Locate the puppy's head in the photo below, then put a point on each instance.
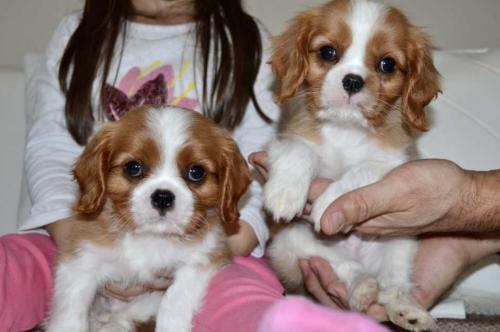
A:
(161, 170)
(356, 61)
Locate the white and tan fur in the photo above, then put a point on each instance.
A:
(119, 235)
(353, 137)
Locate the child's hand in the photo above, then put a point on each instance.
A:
(127, 292)
(243, 242)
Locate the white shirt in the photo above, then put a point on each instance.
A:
(149, 50)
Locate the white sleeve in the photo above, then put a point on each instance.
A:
(50, 150)
(252, 135)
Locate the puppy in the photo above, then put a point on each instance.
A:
(155, 191)
(360, 76)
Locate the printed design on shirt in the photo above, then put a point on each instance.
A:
(154, 85)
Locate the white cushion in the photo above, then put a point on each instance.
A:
(467, 115)
(466, 130)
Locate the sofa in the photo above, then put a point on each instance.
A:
(466, 129)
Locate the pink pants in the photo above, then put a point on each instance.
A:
(237, 300)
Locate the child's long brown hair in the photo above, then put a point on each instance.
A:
(222, 28)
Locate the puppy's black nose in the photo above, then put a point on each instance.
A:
(162, 200)
(353, 83)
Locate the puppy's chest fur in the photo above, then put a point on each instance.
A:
(140, 257)
(341, 149)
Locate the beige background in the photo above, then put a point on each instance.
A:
(26, 25)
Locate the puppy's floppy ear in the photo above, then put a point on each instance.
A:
(91, 171)
(289, 58)
(422, 84)
(234, 179)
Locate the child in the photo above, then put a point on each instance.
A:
(205, 55)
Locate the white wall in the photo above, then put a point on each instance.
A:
(26, 25)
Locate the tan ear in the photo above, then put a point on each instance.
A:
(234, 178)
(423, 80)
(289, 58)
(90, 171)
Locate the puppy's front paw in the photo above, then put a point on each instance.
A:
(173, 325)
(322, 203)
(285, 199)
(364, 293)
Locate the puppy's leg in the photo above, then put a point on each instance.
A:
(395, 281)
(292, 166)
(285, 250)
(183, 298)
(299, 241)
(75, 288)
(140, 310)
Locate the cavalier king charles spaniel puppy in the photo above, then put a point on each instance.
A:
(156, 190)
(358, 77)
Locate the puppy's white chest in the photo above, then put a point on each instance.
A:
(340, 149)
(343, 148)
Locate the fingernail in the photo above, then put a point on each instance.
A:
(337, 221)
(346, 229)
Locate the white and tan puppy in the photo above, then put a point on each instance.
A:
(156, 189)
(360, 76)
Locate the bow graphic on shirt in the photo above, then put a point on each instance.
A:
(116, 103)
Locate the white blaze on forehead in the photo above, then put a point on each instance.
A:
(170, 126)
(363, 20)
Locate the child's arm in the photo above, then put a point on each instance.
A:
(252, 135)
(50, 149)
(243, 242)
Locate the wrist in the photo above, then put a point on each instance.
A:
(482, 208)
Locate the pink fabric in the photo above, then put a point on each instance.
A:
(25, 280)
(237, 297)
(299, 315)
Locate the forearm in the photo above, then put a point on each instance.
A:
(243, 242)
(59, 231)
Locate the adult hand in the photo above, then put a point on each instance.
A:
(417, 197)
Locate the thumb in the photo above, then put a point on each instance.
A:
(357, 206)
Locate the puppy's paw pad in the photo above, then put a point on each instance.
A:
(410, 317)
(364, 294)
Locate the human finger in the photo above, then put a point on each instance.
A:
(358, 206)
(122, 292)
(329, 280)
(314, 287)
(259, 161)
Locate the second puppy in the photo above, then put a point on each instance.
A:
(361, 76)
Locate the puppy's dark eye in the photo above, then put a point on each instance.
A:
(387, 65)
(134, 169)
(328, 53)
(196, 174)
